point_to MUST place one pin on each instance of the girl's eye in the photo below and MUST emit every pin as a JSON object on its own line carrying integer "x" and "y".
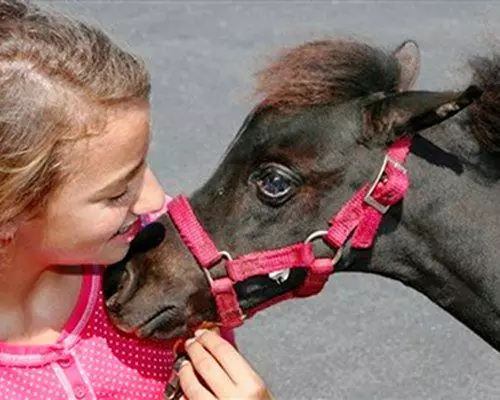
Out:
{"x": 118, "y": 197}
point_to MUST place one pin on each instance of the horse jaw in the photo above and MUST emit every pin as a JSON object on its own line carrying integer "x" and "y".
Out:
{"x": 425, "y": 244}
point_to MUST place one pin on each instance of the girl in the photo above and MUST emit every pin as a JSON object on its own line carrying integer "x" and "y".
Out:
{"x": 74, "y": 189}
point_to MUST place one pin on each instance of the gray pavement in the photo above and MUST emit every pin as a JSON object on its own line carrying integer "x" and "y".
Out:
{"x": 365, "y": 337}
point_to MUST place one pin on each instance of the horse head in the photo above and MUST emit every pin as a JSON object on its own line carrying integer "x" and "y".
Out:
{"x": 330, "y": 111}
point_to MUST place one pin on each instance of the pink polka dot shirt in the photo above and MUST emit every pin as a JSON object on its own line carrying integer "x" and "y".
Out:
{"x": 90, "y": 360}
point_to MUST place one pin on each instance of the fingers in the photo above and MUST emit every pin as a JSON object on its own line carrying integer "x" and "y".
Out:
{"x": 234, "y": 365}
{"x": 209, "y": 369}
{"x": 223, "y": 371}
{"x": 191, "y": 386}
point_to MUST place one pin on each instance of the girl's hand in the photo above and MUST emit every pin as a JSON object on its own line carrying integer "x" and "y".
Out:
{"x": 225, "y": 373}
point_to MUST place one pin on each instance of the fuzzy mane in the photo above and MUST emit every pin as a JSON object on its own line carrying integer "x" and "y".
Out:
{"x": 326, "y": 72}
{"x": 483, "y": 116}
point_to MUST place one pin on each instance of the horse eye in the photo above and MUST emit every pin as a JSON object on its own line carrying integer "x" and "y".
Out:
{"x": 275, "y": 183}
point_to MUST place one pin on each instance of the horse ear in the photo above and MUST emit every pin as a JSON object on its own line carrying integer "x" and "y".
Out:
{"x": 409, "y": 112}
{"x": 408, "y": 57}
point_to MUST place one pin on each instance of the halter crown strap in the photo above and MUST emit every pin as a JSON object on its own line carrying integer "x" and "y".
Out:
{"x": 363, "y": 213}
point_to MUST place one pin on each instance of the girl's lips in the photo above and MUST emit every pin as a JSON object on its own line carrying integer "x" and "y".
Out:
{"x": 130, "y": 233}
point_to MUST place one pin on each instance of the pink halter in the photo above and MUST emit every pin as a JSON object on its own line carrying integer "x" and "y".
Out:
{"x": 359, "y": 217}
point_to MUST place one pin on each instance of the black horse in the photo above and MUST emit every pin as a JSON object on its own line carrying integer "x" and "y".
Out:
{"x": 330, "y": 110}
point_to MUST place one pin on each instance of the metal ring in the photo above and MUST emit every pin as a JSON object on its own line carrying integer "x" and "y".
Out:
{"x": 337, "y": 256}
{"x": 226, "y": 255}
{"x": 222, "y": 254}
{"x": 314, "y": 236}
{"x": 209, "y": 277}
{"x": 319, "y": 234}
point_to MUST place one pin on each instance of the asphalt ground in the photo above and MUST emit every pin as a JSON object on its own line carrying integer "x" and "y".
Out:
{"x": 364, "y": 337}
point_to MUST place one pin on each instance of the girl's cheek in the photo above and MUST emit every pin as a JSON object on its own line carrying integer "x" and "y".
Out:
{"x": 110, "y": 223}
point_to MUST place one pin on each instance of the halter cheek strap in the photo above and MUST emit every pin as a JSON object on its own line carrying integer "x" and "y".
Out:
{"x": 362, "y": 214}
{"x": 360, "y": 218}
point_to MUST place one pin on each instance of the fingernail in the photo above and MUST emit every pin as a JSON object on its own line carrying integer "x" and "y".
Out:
{"x": 170, "y": 391}
{"x": 173, "y": 383}
{"x": 178, "y": 365}
{"x": 189, "y": 342}
{"x": 200, "y": 332}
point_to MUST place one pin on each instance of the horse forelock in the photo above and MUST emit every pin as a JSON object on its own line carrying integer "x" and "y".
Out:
{"x": 326, "y": 72}
{"x": 483, "y": 116}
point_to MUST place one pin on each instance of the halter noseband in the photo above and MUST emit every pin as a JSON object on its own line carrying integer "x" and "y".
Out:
{"x": 360, "y": 218}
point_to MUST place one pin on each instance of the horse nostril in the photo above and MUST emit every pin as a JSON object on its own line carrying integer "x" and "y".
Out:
{"x": 111, "y": 303}
{"x": 126, "y": 289}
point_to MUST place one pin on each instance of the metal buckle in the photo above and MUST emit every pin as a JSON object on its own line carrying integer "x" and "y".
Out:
{"x": 280, "y": 276}
{"x": 368, "y": 198}
{"x": 227, "y": 256}
{"x": 223, "y": 255}
{"x": 320, "y": 234}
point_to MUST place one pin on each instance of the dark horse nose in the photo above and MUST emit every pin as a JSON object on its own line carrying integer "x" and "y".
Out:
{"x": 121, "y": 280}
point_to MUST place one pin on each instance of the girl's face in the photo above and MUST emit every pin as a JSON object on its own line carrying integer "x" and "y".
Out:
{"x": 94, "y": 215}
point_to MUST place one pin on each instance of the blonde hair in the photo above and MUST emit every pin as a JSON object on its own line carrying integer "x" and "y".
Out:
{"x": 57, "y": 76}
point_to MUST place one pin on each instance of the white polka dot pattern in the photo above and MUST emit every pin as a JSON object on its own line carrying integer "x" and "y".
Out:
{"x": 92, "y": 360}
{"x": 102, "y": 364}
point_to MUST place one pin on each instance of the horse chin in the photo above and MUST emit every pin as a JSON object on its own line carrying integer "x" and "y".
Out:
{"x": 162, "y": 325}
{"x": 158, "y": 333}
{"x": 160, "y": 321}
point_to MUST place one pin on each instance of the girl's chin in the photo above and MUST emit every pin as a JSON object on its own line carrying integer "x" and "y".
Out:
{"x": 114, "y": 252}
